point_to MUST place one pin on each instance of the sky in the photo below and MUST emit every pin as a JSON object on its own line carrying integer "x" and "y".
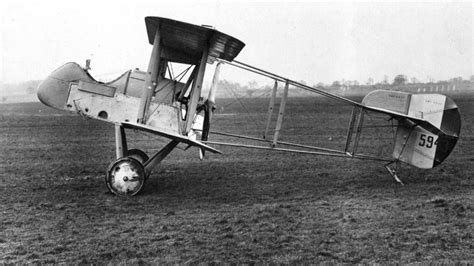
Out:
{"x": 305, "y": 41}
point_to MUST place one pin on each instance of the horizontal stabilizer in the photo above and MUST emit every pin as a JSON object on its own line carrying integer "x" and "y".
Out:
{"x": 434, "y": 112}
{"x": 428, "y": 125}
{"x": 173, "y": 136}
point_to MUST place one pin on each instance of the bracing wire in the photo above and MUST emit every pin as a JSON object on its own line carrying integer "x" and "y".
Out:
{"x": 180, "y": 76}
{"x": 266, "y": 93}
{"x": 170, "y": 71}
{"x": 243, "y": 105}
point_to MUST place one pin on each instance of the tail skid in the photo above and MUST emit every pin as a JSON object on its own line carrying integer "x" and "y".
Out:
{"x": 393, "y": 171}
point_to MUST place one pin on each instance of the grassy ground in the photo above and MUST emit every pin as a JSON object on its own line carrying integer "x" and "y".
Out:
{"x": 246, "y": 206}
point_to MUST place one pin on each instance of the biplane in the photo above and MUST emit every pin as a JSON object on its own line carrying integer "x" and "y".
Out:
{"x": 427, "y": 125}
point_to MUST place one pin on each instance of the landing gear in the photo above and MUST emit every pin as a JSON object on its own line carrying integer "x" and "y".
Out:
{"x": 125, "y": 176}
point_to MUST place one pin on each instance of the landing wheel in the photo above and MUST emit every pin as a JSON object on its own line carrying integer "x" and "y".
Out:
{"x": 140, "y": 156}
{"x": 125, "y": 176}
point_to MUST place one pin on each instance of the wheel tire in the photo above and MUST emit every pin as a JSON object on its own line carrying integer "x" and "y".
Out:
{"x": 138, "y": 155}
{"x": 125, "y": 176}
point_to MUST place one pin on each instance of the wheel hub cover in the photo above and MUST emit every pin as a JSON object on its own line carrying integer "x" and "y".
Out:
{"x": 125, "y": 177}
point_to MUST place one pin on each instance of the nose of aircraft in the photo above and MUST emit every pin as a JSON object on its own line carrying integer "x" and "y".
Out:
{"x": 54, "y": 90}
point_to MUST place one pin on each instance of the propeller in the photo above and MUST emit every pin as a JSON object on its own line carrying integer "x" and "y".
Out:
{"x": 209, "y": 107}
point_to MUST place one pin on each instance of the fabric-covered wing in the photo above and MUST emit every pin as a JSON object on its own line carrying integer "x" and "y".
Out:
{"x": 183, "y": 42}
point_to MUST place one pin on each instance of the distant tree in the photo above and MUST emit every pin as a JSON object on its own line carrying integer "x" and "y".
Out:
{"x": 355, "y": 83}
{"x": 385, "y": 79}
{"x": 336, "y": 83}
{"x": 455, "y": 80}
{"x": 250, "y": 92}
{"x": 370, "y": 81}
{"x": 414, "y": 80}
{"x": 400, "y": 80}
{"x": 320, "y": 84}
{"x": 252, "y": 84}
{"x": 472, "y": 78}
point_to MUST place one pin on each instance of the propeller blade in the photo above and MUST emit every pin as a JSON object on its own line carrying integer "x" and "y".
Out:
{"x": 211, "y": 98}
{"x": 209, "y": 108}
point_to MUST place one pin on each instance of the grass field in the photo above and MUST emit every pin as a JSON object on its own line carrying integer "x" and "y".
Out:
{"x": 245, "y": 206}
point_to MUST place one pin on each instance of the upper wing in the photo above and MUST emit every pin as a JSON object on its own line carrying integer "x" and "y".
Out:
{"x": 183, "y": 42}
